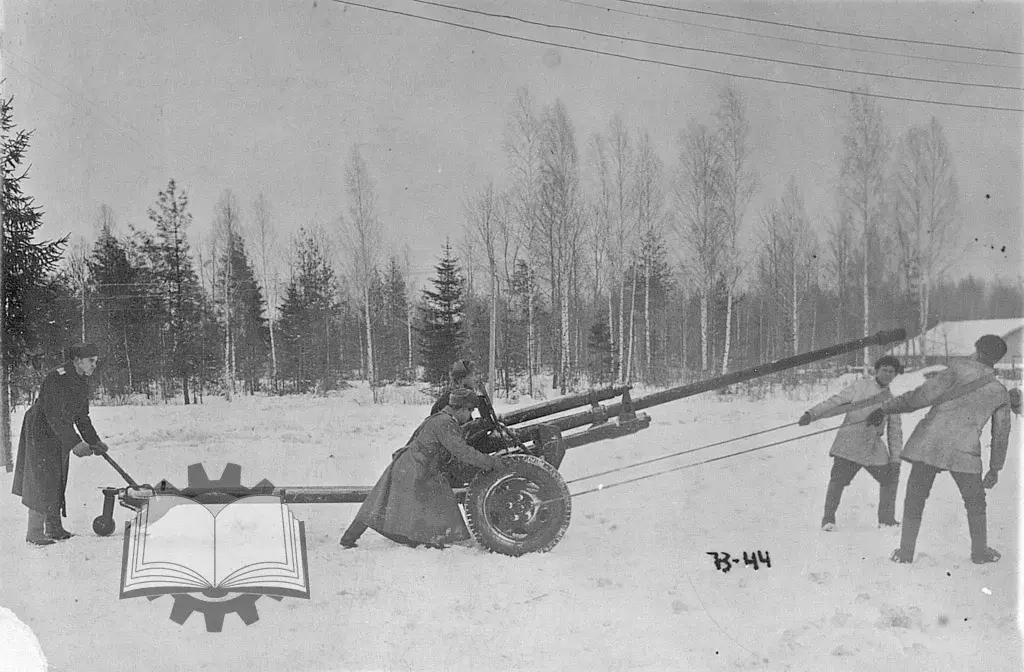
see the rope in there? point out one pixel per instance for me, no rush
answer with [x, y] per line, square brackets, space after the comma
[695, 464]
[683, 452]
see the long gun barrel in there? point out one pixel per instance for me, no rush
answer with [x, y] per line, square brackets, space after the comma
[598, 415]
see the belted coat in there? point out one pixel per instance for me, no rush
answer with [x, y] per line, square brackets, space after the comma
[412, 499]
[949, 436]
[855, 440]
[48, 433]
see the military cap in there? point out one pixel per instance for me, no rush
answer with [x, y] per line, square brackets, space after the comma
[463, 399]
[83, 350]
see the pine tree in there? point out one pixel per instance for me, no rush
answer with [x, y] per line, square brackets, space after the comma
[443, 316]
[171, 264]
[24, 266]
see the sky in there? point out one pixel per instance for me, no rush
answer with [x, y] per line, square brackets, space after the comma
[268, 97]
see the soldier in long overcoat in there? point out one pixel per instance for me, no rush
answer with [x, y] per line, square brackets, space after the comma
[963, 398]
[412, 502]
[48, 437]
[858, 446]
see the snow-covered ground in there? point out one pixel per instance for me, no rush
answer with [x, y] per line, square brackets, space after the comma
[630, 586]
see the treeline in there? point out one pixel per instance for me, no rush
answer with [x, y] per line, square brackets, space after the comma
[591, 262]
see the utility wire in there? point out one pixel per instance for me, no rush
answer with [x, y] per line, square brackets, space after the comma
[678, 65]
[824, 30]
[790, 39]
[91, 102]
[654, 43]
[68, 100]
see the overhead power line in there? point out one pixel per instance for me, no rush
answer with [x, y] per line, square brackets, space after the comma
[791, 39]
[824, 30]
[677, 65]
[713, 51]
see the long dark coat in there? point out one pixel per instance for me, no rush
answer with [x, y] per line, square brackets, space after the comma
[412, 499]
[47, 437]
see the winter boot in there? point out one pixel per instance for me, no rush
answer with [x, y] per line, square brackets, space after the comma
[352, 534]
[988, 555]
[54, 529]
[977, 525]
[902, 557]
[36, 532]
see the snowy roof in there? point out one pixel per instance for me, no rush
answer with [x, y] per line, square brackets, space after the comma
[957, 338]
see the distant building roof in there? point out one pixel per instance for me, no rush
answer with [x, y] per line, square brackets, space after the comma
[956, 339]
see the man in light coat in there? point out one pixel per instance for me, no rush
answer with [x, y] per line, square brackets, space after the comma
[858, 446]
[963, 399]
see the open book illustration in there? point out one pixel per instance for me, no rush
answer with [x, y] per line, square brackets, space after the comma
[252, 545]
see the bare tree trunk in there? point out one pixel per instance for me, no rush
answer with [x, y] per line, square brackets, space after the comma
[796, 310]
[923, 314]
[648, 369]
[632, 325]
[127, 355]
[228, 382]
[531, 338]
[728, 332]
[564, 345]
[622, 330]
[370, 373]
[867, 320]
[704, 299]
[492, 346]
[611, 328]
[273, 352]
[408, 333]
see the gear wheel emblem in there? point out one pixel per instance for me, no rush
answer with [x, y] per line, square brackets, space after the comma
[216, 605]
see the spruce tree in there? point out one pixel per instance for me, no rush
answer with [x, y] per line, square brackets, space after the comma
[24, 267]
[442, 315]
[171, 265]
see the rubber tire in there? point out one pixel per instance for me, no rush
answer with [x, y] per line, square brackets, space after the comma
[103, 526]
[548, 533]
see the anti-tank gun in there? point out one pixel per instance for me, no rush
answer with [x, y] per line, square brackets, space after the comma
[525, 507]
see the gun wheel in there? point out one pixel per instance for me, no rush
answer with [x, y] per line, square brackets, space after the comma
[103, 526]
[524, 508]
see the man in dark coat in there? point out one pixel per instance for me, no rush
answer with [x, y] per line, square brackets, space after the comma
[963, 399]
[412, 502]
[48, 438]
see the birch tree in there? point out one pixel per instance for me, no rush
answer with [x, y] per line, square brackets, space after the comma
[700, 218]
[614, 160]
[560, 222]
[650, 216]
[482, 212]
[522, 144]
[926, 198]
[866, 146]
[227, 226]
[363, 235]
[263, 240]
[736, 185]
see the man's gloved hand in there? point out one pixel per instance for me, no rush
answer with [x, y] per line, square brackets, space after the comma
[82, 449]
[876, 417]
[991, 478]
[805, 419]
[1015, 400]
[99, 448]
